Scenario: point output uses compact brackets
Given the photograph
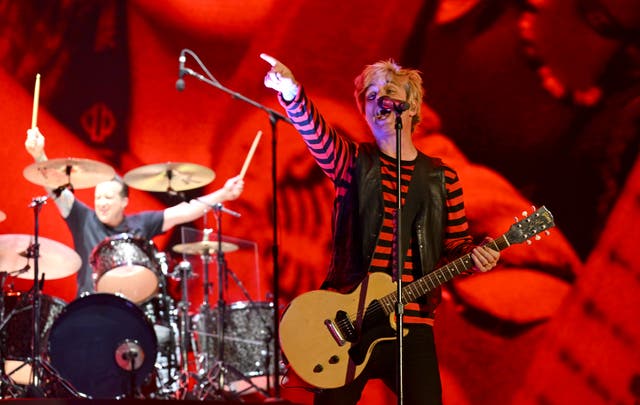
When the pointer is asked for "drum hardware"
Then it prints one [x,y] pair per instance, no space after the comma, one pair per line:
[213,377]
[129,356]
[3,216]
[171,177]
[19,250]
[162,312]
[184,271]
[34,386]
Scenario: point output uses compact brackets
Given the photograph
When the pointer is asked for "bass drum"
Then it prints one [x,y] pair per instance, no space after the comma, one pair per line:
[103,345]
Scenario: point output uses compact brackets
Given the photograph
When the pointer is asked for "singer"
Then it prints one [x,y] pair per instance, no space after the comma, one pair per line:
[434,225]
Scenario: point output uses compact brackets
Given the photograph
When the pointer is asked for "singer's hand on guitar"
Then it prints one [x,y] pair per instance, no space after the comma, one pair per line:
[484,257]
[280,78]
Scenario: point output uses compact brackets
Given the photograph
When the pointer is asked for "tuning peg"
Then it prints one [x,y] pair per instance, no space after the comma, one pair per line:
[533,208]
[528,242]
[525,213]
[547,232]
[538,237]
[516,219]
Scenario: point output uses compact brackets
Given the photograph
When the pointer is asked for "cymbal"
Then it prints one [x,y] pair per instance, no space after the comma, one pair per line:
[169,176]
[56,260]
[204,247]
[80,173]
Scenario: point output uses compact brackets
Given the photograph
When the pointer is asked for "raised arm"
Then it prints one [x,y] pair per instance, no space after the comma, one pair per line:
[34,144]
[194,209]
[333,153]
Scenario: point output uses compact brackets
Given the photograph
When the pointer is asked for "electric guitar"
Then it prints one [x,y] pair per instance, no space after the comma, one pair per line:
[328,337]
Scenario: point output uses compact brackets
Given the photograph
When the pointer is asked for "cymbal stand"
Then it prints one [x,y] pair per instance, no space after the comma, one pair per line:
[34,389]
[169,374]
[184,269]
[36,204]
[215,383]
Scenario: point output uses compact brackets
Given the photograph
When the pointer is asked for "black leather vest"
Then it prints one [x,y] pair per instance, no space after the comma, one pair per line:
[357,218]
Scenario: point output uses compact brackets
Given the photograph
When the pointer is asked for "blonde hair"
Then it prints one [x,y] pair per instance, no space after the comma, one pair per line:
[386,68]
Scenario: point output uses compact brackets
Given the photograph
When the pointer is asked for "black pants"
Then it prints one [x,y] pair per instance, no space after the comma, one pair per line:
[421,375]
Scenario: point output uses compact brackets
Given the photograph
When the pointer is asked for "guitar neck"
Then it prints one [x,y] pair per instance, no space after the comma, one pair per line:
[436,278]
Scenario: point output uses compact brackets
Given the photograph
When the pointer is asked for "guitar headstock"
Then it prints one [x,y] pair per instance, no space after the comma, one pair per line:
[523,230]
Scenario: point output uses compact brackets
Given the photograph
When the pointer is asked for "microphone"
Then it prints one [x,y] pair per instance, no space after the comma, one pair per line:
[388,103]
[181,71]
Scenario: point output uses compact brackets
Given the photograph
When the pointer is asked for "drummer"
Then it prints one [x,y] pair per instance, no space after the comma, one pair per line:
[89,227]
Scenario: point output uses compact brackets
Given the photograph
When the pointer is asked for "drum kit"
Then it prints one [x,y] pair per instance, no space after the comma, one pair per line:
[131,338]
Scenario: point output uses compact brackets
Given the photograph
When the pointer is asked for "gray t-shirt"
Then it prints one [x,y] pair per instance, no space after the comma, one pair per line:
[88,232]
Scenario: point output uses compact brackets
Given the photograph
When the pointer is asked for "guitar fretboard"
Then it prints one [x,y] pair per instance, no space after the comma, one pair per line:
[436,278]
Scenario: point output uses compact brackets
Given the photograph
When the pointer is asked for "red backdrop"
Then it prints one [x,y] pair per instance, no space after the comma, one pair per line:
[510,336]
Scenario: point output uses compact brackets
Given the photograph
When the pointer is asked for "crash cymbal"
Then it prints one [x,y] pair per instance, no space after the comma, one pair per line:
[205,247]
[169,176]
[77,172]
[56,260]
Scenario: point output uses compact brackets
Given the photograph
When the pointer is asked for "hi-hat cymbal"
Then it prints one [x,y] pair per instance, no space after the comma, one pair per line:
[77,172]
[55,259]
[169,176]
[205,247]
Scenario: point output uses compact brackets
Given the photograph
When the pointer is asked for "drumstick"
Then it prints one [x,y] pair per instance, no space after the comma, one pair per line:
[247,160]
[36,96]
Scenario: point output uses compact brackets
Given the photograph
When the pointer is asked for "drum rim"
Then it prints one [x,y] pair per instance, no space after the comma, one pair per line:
[123,236]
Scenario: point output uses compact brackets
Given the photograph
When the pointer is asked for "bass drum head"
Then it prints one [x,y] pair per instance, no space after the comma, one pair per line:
[96,340]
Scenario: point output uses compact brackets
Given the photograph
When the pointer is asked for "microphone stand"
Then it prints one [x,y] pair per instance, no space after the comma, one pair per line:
[399,259]
[274,117]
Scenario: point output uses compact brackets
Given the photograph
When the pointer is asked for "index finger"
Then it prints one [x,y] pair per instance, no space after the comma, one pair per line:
[269,59]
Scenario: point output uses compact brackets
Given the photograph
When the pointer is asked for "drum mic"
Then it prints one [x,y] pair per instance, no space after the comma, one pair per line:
[181,71]
[388,103]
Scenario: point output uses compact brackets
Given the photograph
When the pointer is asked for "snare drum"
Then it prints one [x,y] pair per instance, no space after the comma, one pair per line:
[126,265]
